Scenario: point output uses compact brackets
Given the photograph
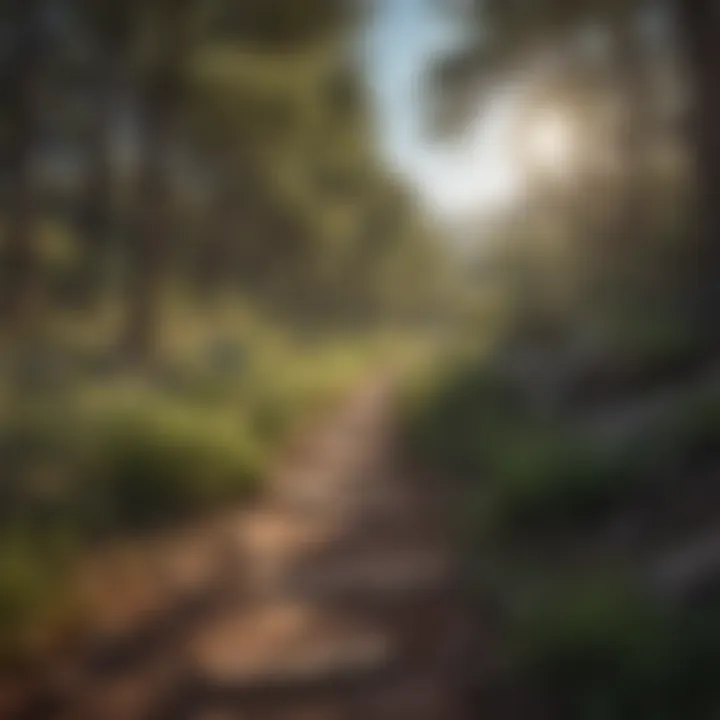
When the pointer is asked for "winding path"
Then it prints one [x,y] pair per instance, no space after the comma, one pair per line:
[332,599]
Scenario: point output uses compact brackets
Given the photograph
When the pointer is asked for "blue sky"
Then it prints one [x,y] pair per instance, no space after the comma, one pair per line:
[403,39]
[455,178]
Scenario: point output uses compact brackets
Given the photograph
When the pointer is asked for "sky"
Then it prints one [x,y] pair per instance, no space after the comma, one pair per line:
[455,178]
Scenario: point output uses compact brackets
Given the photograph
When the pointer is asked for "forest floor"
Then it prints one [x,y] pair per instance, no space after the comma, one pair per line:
[333,597]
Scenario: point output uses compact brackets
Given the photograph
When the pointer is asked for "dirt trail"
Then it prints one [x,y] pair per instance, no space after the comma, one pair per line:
[332,599]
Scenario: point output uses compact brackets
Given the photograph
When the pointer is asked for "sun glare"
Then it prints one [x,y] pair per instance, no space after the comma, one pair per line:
[550,142]
[488,170]
[479,173]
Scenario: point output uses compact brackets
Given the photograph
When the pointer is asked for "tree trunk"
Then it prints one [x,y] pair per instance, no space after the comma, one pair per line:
[160,100]
[637,118]
[218,258]
[97,210]
[148,242]
[631,255]
[19,281]
[699,24]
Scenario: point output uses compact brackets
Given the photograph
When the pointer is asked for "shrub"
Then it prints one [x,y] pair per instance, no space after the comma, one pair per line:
[601,648]
[545,477]
[526,471]
[156,460]
[529,471]
[455,419]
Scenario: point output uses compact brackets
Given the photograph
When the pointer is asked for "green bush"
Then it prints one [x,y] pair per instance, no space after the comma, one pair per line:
[593,647]
[525,471]
[156,460]
[602,649]
[529,471]
[549,477]
[455,418]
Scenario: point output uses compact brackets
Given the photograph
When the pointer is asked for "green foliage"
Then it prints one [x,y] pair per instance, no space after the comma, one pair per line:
[606,650]
[525,470]
[276,24]
[455,417]
[550,477]
[566,627]
[583,640]
[155,461]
